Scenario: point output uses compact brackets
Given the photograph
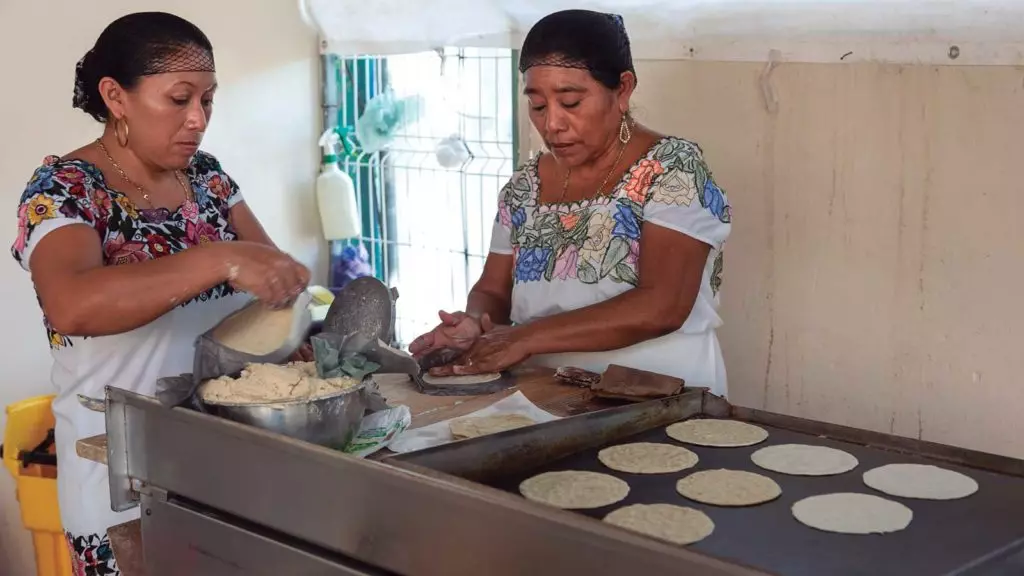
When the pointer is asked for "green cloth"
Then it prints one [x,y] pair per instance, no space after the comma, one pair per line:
[337,357]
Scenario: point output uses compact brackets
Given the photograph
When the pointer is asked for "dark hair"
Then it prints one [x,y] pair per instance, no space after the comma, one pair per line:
[592,41]
[139,45]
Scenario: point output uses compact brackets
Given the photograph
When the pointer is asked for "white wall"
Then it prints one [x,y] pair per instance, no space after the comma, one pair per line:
[264,132]
[873,274]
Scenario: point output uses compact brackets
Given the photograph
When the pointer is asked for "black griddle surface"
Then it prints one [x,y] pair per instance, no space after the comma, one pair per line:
[944,537]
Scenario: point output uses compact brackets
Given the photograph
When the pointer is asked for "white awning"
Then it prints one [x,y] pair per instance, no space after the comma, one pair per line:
[975,32]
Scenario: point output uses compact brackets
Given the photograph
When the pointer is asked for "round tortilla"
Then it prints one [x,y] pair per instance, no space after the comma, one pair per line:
[920,481]
[804,460]
[466,380]
[574,490]
[716,433]
[475,426]
[675,524]
[850,513]
[647,458]
[728,488]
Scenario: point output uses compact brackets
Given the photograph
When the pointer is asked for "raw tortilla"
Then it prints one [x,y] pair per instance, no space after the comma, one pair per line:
[850,513]
[674,524]
[920,481]
[483,425]
[719,433]
[574,490]
[255,329]
[462,380]
[647,458]
[262,383]
[728,488]
[804,460]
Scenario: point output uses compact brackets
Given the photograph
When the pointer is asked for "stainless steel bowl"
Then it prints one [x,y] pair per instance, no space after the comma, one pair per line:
[330,421]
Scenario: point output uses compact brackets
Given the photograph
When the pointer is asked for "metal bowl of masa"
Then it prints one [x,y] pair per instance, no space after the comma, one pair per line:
[330,421]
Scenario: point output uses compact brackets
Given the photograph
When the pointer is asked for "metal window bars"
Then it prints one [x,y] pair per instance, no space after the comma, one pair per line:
[427,228]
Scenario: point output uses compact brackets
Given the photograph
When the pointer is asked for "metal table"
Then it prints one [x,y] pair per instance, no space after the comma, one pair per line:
[223,498]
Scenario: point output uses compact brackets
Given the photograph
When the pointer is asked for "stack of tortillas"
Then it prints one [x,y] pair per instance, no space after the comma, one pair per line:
[474,426]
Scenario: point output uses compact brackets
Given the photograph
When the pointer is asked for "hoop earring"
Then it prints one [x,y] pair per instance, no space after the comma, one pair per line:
[625,130]
[117,133]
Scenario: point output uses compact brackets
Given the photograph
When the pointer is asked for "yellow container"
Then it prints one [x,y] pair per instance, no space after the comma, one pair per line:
[28,423]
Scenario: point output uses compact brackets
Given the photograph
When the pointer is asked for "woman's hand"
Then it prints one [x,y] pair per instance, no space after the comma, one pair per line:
[303,354]
[270,275]
[500,348]
[457,330]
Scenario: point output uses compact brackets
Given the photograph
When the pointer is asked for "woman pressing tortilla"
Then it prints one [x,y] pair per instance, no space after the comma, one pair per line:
[137,243]
[607,248]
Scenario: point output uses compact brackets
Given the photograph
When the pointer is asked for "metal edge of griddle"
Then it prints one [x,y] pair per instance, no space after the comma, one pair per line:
[912,446]
[512,451]
[394,518]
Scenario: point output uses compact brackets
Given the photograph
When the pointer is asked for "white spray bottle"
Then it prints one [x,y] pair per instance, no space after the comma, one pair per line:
[336,193]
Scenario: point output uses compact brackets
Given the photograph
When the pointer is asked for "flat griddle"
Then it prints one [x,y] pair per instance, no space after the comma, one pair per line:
[981,534]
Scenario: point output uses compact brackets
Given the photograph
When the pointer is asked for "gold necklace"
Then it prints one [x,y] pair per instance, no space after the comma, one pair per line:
[600,190]
[145,195]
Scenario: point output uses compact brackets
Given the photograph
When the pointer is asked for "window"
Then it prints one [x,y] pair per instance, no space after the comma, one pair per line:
[427,228]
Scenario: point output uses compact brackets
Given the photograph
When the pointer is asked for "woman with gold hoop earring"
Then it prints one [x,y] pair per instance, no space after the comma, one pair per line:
[137,243]
[607,248]
[123,142]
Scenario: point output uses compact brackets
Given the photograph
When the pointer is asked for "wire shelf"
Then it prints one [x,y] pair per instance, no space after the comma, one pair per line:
[427,228]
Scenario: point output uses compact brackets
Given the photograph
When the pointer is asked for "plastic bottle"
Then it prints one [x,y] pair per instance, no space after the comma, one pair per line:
[336,194]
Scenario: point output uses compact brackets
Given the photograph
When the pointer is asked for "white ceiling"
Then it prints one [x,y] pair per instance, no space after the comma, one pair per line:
[984,31]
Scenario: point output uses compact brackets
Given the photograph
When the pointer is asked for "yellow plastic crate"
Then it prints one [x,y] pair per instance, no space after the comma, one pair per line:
[28,422]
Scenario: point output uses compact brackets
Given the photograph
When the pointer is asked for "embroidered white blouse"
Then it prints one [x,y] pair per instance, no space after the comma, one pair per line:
[571,255]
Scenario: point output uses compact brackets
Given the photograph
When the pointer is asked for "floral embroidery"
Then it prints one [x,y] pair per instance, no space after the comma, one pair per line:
[599,238]
[190,210]
[678,188]
[532,263]
[92,555]
[568,260]
[640,178]
[40,208]
[716,274]
[76,190]
[599,234]
[570,220]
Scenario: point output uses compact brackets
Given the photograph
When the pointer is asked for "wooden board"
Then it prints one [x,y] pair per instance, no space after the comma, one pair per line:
[126,543]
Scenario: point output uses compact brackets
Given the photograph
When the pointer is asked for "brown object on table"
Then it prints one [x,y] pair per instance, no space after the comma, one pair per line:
[577,376]
[93,448]
[126,544]
[625,383]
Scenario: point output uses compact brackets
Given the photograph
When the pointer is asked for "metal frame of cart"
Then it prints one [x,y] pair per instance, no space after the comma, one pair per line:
[223,498]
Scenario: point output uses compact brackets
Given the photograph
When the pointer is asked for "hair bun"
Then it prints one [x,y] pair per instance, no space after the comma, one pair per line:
[83,78]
